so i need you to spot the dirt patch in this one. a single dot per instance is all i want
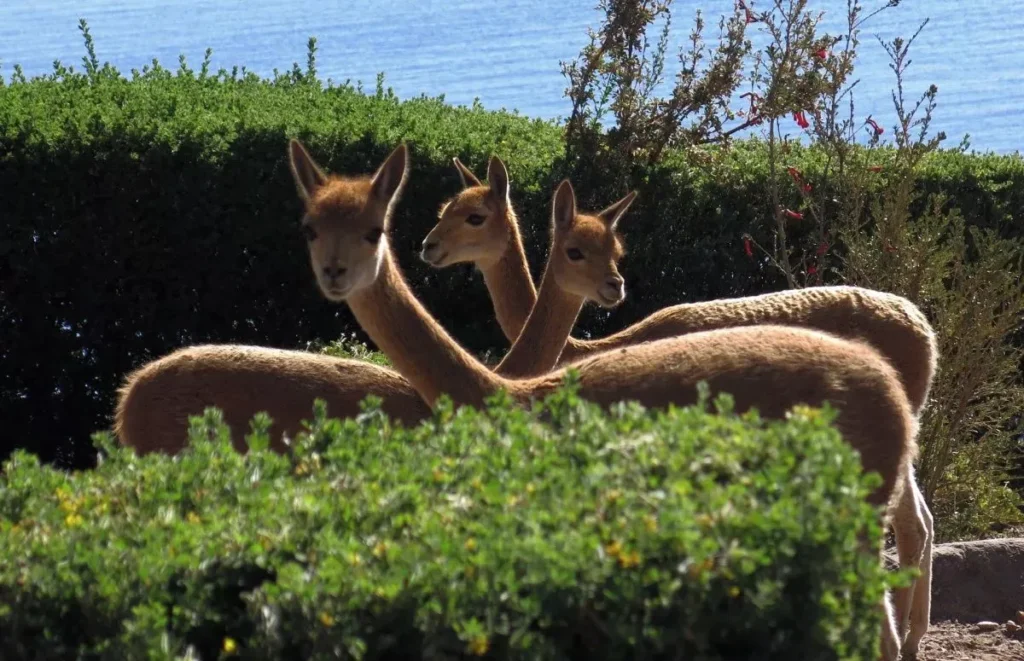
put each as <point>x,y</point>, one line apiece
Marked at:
<point>952,641</point>
<point>973,582</point>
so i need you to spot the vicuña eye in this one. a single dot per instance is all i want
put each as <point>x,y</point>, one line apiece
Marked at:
<point>373,236</point>
<point>575,254</point>
<point>309,232</point>
<point>475,219</point>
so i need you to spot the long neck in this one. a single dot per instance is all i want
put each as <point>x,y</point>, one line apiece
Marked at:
<point>510,286</point>
<point>542,339</point>
<point>514,296</point>
<point>419,347</point>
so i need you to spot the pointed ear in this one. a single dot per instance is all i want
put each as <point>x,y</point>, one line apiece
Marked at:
<point>307,174</point>
<point>468,178</point>
<point>563,209</point>
<point>497,177</point>
<point>390,176</point>
<point>613,214</point>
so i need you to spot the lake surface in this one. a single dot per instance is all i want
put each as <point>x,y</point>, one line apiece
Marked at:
<point>507,53</point>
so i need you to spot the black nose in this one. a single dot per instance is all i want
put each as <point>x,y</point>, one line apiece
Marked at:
<point>429,245</point>
<point>334,272</point>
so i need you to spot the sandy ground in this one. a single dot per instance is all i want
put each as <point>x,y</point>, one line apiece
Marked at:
<point>952,641</point>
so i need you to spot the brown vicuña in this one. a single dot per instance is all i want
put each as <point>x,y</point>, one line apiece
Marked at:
<point>479,225</point>
<point>155,402</point>
<point>770,367</point>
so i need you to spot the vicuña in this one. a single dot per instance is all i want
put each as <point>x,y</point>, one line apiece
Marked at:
<point>770,367</point>
<point>480,226</point>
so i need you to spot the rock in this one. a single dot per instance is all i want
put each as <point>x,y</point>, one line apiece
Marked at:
<point>974,581</point>
<point>986,626</point>
<point>1011,626</point>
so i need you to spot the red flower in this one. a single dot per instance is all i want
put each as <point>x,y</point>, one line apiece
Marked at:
<point>875,168</point>
<point>793,215</point>
<point>812,269</point>
<point>878,129</point>
<point>800,119</point>
<point>821,53</point>
<point>749,15</point>
<point>748,248</point>
<point>822,249</point>
<point>797,179</point>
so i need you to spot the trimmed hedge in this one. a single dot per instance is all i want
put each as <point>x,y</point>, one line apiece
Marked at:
<point>557,533</point>
<point>146,213</point>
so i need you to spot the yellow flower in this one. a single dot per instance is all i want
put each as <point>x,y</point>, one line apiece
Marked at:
<point>192,517</point>
<point>73,520</point>
<point>513,501</point>
<point>326,619</point>
<point>354,559</point>
<point>613,549</point>
<point>477,483</point>
<point>613,495</point>
<point>470,544</point>
<point>530,488</point>
<point>734,592</point>
<point>230,646</point>
<point>628,560</point>
<point>380,550</point>
<point>651,523</point>
<point>479,645</point>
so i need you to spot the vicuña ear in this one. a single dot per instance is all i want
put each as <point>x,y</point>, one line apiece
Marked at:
<point>497,177</point>
<point>563,209</point>
<point>307,174</point>
<point>390,176</point>
<point>613,214</point>
<point>468,178</point>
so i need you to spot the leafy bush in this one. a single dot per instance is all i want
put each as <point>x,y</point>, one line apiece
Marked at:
<point>349,347</point>
<point>558,533</point>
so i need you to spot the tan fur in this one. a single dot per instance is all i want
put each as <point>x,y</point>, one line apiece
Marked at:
<point>155,402</point>
<point>769,367</point>
<point>891,324</point>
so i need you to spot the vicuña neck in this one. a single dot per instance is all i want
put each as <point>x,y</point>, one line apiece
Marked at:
<point>510,286</point>
<point>543,338</point>
<point>421,350</point>
<point>514,296</point>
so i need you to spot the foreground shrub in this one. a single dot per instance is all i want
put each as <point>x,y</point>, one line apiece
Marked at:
<point>558,533</point>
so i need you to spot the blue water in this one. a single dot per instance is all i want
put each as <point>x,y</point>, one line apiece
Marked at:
<point>507,53</point>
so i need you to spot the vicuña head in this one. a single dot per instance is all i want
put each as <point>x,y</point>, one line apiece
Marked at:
<point>474,226</point>
<point>346,220</point>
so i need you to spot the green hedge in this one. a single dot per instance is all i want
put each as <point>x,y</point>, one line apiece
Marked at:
<point>148,212</point>
<point>634,534</point>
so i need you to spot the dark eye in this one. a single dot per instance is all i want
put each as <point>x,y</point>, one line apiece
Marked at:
<point>575,254</point>
<point>475,219</point>
<point>309,232</point>
<point>373,236</point>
